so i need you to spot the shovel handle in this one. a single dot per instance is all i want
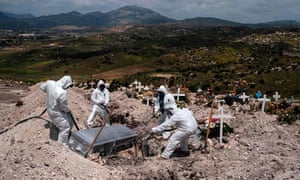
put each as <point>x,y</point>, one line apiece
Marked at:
<point>98,133</point>
<point>74,122</point>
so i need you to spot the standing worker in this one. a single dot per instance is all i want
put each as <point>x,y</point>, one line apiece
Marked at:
<point>100,98</point>
<point>57,106</point>
<point>186,126</point>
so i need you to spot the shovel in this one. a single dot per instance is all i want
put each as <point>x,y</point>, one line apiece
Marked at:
<point>73,119</point>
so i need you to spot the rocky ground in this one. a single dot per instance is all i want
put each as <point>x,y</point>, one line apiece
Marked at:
<point>259,147</point>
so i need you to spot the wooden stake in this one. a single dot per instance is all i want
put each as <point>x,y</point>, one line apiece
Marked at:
<point>208,126</point>
<point>98,133</point>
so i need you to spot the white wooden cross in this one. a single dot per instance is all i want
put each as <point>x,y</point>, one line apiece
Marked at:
<point>199,90</point>
<point>264,100</point>
<point>221,116</point>
<point>276,96</point>
<point>85,84</point>
<point>293,100</point>
<point>178,92</point>
<point>139,86</point>
<point>244,97</point>
<point>135,82</point>
<point>219,102</point>
<point>74,83</point>
<point>92,83</point>
<point>221,124</point>
<point>146,88</point>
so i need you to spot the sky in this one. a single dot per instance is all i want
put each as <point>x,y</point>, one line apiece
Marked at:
<point>243,11</point>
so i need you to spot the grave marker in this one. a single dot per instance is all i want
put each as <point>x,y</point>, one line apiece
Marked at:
<point>74,83</point>
<point>92,83</point>
<point>244,97</point>
<point>85,85</point>
<point>178,94</point>
<point>276,96</point>
<point>146,88</point>
<point>221,116</point>
<point>263,100</point>
<point>199,90</point>
<point>135,83</point>
<point>178,91</point>
<point>221,123</point>
<point>139,86</point>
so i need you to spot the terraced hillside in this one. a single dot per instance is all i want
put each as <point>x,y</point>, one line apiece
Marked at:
<point>268,59</point>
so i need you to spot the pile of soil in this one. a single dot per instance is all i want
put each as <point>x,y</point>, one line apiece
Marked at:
<point>259,147</point>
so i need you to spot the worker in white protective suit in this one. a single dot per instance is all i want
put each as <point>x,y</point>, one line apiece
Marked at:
<point>57,106</point>
<point>100,98</point>
<point>186,126</point>
<point>163,97</point>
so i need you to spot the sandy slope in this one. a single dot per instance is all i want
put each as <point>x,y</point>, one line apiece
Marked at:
<point>259,148</point>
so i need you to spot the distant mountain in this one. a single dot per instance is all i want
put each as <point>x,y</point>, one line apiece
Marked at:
<point>127,15</point>
<point>73,18</point>
<point>210,22</point>
<point>281,23</point>
<point>134,15</point>
<point>20,16</point>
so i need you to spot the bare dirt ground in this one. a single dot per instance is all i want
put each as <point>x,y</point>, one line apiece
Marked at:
<point>259,147</point>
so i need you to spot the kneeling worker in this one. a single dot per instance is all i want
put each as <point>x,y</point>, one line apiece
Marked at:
<point>186,126</point>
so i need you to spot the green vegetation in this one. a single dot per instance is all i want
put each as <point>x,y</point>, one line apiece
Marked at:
<point>268,59</point>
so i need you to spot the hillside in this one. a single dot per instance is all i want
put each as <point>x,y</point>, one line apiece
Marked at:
<point>259,148</point>
<point>268,59</point>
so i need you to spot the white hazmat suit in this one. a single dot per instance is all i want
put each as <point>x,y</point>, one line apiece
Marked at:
<point>100,98</point>
<point>186,126</point>
<point>57,105</point>
<point>163,98</point>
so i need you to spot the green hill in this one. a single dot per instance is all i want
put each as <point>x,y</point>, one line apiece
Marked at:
<point>268,59</point>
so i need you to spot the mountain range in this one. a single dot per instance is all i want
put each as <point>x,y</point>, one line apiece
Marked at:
<point>127,15</point>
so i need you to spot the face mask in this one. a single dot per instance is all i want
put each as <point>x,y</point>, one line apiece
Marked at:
<point>101,87</point>
<point>169,112</point>
<point>161,95</point>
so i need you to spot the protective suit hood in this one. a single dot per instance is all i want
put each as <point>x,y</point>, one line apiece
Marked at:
<point>100,82</point>
<point>162,89</point>
<point>170,103</point>
<point>64,82</point>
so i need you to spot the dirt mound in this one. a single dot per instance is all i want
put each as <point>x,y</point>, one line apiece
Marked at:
<point>259,147</point>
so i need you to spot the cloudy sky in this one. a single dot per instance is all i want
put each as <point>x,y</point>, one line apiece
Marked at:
<point>244,11</point>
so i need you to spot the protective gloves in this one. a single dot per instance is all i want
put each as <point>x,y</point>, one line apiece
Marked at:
<point>154,130</point>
